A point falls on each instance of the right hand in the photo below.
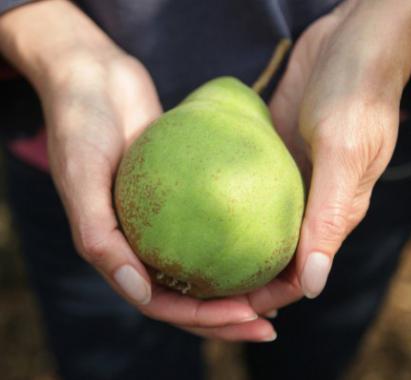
(96, 100)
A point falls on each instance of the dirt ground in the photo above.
(385, 353)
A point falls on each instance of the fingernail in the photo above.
(133, 284)
(271, 314)
(315, 274)
(249, 318)
(270, 338)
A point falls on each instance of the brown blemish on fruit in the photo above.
(174, 276)
(274, 264)
(138, 196)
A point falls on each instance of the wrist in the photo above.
(372, 41)
(387, 32)
(78, 70)
(44, 40)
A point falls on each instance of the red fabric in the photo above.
(32, 150)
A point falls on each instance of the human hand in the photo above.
(91, 118)
(96, 100)
(337, 109)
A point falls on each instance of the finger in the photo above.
(259, 330)
(280, 292)
(328, 216)
(175, 308)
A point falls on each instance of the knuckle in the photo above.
(92, 247)
(348, 145)
(359, 210)
(330, 225)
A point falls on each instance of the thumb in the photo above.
(85, 189)
(327, 219)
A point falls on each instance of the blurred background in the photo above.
(385, 353)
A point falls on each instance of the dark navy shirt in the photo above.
(184, 43)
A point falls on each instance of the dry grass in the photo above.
(386, 352)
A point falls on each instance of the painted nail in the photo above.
(315, 274)
(249, 318)
(133, 284)
(271, 338)
(271, 314)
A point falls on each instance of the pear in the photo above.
(209, 197)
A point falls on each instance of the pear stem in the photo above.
(273, 65)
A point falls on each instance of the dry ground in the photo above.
(385, 355)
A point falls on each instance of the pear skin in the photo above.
(209, 197)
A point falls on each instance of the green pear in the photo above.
(209, 196)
